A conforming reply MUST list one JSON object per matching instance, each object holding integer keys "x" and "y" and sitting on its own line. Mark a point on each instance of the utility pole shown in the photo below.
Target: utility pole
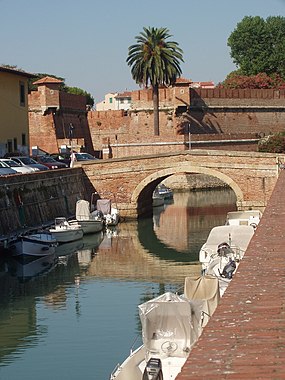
{"x": 189, "y": 135}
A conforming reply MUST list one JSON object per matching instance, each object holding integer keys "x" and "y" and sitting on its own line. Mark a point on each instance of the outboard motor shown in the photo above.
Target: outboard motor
{"x": 153, "y": 370}
{"x": 229, "y": 269}
{"x": 97, "y": 214}
{"x": 224, "y": 249}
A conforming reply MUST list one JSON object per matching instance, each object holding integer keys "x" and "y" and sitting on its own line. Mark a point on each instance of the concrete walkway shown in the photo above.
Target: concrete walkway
{"x": 245, "y": 338}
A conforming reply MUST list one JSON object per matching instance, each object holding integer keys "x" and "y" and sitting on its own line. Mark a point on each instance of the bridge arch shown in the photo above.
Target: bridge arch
{"x": 145, "y": 188}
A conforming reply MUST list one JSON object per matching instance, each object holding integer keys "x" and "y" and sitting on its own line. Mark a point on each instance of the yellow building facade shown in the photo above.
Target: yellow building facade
{"x": 14, "y": 120}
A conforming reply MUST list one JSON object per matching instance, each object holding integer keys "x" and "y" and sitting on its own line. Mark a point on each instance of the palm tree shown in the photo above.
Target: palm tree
{"x": 155, "y": 60}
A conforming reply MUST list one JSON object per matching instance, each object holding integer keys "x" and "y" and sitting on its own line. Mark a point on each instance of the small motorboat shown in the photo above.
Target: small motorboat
{"x": 164, "y": 191}
{"x": 245, "y": 218}
{"x": 110, "y": 213}
{"x": 64, "y": 232}
{"x": 171, "y": 325}
{"x": 157, "y": 199}
{"x": 223, "y": 250}
{"x": 89, "y": 222}
{"x": 34, "y": 244}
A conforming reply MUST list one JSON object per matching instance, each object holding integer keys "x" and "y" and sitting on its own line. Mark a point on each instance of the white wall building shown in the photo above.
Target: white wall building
{"x": 115, "y": 101}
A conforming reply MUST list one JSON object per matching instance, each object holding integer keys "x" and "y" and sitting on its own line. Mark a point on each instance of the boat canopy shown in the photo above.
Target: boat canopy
{"x": 204, "y": 296}
{"x": 166, "y": 325}
{"x": 104, "y": 205}
{"x": 83, "y": 210}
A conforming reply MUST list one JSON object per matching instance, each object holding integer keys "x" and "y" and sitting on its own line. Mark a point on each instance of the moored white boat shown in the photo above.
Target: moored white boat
{"x": 171, "y": 325}
{"x": 167, "y": 339}
{"x": 224, "y": 248}
{"x": 35, "y": 244}
{"x": 157, "y": 199}
{"x": 64, "y": 232}
{"x": 246, "y": 218}
{"x": 110, "y": 213}
{"x": 89, "y": 222}
{"x": 164, "y": 191}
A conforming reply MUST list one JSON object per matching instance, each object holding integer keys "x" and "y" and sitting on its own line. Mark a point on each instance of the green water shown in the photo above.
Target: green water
{"x": 74, "y": 315}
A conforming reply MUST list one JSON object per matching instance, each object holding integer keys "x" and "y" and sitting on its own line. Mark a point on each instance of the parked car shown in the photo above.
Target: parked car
{"x": 61, "y": 157}
{"x": 29, "y": 162}
{"x": 5, "y": 169}
{"x": 50, "y": 162}
{"x": 66, "y": 157}
{"x": 15, "y": 166}
{"x": 84, "y": 157}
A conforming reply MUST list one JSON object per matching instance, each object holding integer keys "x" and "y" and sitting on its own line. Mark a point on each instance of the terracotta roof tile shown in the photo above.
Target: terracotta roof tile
{"x": 48, "y": 79}
{"x": 125, "y": 94}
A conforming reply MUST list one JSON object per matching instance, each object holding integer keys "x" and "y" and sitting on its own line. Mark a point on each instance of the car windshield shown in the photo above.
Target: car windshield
{"x": 84, "y": 156}
{"x": 3, "y": 165}
{"x": 27, "y": 160}
{"x": 47, "y": 159}
{"x": 12, "y": 163}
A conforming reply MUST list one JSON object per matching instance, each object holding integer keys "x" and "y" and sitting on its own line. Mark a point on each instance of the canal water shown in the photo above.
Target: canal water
{"x": 74, "y": 315}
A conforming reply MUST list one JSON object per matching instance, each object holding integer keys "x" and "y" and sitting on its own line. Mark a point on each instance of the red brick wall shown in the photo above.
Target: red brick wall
{"x": 72, "y": 101}
{"x": 49, "y": 127}
{"x": 213, "y": 115}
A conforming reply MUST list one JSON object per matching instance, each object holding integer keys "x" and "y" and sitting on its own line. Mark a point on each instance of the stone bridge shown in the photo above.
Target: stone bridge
{"x": 130, "y": 182}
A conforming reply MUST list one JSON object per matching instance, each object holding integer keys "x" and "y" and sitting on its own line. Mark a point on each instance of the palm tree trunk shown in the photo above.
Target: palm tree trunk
{"x": 155, "y": 98}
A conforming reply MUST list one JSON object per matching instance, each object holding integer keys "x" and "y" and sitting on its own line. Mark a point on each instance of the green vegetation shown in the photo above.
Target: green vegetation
{"x": 63, "y": 87}
{"x": 156, "y": 61}
{"x": 261, "y": 81}
{"x": 258, "y": 46}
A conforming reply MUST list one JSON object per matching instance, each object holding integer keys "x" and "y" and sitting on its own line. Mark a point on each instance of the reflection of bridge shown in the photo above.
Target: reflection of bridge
{"x": 130, "y": 182}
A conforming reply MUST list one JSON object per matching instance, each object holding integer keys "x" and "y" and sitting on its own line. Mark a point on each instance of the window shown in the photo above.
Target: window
{"x": 23, "y": 139}
{"x": 111, "y": 100}
{"x": 15, "y": 144}
{"x": 9, "y": 146}
{"x": 22, "y": 94}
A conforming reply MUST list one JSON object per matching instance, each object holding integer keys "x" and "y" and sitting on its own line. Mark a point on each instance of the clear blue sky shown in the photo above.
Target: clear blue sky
{"x": 86, "y": 41}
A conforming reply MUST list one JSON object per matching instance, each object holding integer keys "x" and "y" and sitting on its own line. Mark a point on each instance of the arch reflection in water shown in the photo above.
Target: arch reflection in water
{"x": 128, "y": 267}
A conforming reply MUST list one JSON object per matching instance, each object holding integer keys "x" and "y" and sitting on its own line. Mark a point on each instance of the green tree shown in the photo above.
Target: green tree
{"x": 156, "y": 61}
{"x": 258, "y": 45}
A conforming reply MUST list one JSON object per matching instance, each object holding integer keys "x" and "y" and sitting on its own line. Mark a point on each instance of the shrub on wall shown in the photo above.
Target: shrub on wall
{"x": 272, "y": 143}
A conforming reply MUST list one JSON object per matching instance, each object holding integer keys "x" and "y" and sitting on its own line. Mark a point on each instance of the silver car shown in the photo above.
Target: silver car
{"x": 29, "y": 162}
{"x": 6, "y": 170}
{"x": 15, "y": 166}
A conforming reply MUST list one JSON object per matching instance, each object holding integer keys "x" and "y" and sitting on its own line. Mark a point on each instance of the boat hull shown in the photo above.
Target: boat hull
{"x": 36, "y": 245}
{"x": 88, "y": 226}
{"x": 67, "y": 235}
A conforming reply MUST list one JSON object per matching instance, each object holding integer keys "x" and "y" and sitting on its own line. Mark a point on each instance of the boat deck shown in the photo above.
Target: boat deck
{"x": 245, "y": 338}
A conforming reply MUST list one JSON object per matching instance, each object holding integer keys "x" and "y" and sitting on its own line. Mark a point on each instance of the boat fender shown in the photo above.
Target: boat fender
{"x": 153, "y": 370}
{"x": 229, "y": 269}
{"x": 254, "y": 225}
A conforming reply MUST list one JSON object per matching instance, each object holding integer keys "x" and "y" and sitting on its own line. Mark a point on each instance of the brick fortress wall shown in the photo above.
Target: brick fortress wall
{"x": 51, "y": 114}
{"x": 216, "y": 119}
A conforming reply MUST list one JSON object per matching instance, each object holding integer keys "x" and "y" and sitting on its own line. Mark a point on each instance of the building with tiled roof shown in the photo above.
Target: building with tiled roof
{"x": 47, "y": 80}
